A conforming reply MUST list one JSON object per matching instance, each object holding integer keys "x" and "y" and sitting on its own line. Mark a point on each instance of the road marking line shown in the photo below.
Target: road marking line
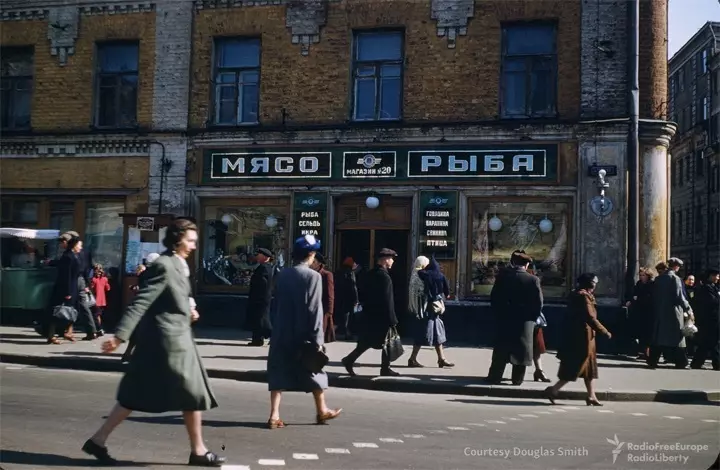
{"x": 513, "y": 419}
{"x": 335, "y": 450}
{"x": 528, "y": 416}
{"x": 272, "y": 462}
{"x": 544, "y": 413}
{"x": 476, "y": 424}
{"x": 638, "y": 414}
{"x": 458, "y": 428}
{"x": 673, "y": 417}
{"x": 365, "y": 445}
{"x": 710, "y": 421}
{"x": 414, "y": 436}
{"x": 234, "y": 467}
{"x": 391, "y": 439}
{"x": 559, "y": 410}
{"x": 13, "y": 368}
{"x": 571, "y": 407}
{"x": 438, "y": 431}
{"x": 605, "y": 411}
{"x": 305, "y": 456}
{"x": 496, "y": 422}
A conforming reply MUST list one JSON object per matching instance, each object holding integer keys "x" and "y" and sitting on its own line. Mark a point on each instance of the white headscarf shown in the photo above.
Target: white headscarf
{"x": 420, "y": 263}
{"x": 151, "y": 258}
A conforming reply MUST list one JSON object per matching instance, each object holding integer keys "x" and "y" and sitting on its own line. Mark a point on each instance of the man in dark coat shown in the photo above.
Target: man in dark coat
{"x": 259, "y": 298}
{"x": 378, "y": 315}
{"x": 707, "y": 320}
{"x": 517, "y": 301}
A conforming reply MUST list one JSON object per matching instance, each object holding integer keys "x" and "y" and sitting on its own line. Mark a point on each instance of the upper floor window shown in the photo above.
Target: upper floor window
{"x": 702, "y": 62}
{"x": 117, "y": 85}
{"x": 17, "y": 83}
{"x": 529, "y": 76}
{"x": 237, "y": 81}
{"x": 377, "y": 75}
{"x": 705, "y": 109}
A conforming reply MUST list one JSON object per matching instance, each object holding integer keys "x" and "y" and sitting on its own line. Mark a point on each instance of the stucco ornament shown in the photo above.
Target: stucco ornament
{"x": 62, "y": 32}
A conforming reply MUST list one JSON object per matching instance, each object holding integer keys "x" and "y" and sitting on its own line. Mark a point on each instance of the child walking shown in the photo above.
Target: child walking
{"x": 99, "y": 286}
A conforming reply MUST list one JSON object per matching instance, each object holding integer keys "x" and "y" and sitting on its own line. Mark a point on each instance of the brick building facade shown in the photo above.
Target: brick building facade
{"x": 695, "y": 164}
{"x": 476, "y": 127}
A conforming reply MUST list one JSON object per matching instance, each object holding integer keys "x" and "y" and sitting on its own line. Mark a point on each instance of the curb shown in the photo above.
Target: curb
{"x": 386, "y": 384}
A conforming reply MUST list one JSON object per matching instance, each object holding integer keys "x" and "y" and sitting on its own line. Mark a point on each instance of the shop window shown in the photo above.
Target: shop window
{"x": 104, "y": 234}
{"x": 529, "y": 71}
{"x": 377, "y": 75}
{"x": 541, "y": 229}
{"x": 62, "y": 216}
{"x": 21, "y": 214}
{"x": 117, "y": 85}
{"x": 237, "y": 81}
{"x": 16, "y": 70}
{"x": 230, "y": 236}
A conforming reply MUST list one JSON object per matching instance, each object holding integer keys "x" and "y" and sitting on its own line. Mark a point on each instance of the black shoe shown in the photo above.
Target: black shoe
{"x": 443, "y": 363}
{"x": 256, "y": 343}
{"x": 539, "y": 376}
{"x": 348, "y": 366}
{"x": 413, "y": 363}
{"x": 388, "y": 373}
{"x": 99, "y": 452}
{"x": 208, "y": 460}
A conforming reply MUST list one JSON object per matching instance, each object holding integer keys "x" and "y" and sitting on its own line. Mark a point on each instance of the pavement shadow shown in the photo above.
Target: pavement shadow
{"x": 689, "y": 397}
{"x": 220, "y": 343}
{"x": 482, "y": 401}
{"x": 242, "y": 358}
{"x": 4, "y": 336}
{"x": 637, "y": 365}
{"x": 36, "y": 459}
{"x": 208, "y": 422}
{"x": 88, "y": 353}
{"x": 28, "y": 341}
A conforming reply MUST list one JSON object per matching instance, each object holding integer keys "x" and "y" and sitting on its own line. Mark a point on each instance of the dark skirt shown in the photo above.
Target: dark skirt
{"x": 572, "y": 369}
{"x": 538, "y": 343}
{"x": 429, "y": 331}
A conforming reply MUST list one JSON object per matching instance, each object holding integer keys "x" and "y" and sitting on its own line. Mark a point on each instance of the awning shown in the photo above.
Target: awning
{"x": 29, "y": 233}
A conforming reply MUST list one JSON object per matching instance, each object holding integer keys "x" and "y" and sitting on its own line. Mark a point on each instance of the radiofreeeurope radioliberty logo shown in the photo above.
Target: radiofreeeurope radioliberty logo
{"x": 655, "y": 452}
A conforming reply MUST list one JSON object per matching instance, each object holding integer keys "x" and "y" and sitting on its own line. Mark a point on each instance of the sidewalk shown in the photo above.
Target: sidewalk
{"x": 226, "y": 355}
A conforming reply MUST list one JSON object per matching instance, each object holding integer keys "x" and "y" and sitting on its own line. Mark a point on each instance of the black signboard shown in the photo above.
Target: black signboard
{"x": 382, "y": 164}
{"x": 271, "y": 165}
{"x": 310, "y": 216}
{"x": 508, "y": 163}
{"x": 438, "y": 224}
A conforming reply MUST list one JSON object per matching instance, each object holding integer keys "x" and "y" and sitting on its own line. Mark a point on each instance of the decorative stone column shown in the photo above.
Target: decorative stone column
{"x": 654, "y": 214}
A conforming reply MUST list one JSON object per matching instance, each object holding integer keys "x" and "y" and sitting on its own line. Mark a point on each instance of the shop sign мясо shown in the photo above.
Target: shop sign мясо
{"x": 271, "y": 165}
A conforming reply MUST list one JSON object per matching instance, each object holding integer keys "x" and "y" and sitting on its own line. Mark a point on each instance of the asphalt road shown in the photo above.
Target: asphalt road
{"x": 46, "y": 414}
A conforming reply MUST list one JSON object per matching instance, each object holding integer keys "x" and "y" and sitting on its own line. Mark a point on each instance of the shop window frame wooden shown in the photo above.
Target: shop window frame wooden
{"x": 284, "y": 205}
{"x": 569, "y": 259}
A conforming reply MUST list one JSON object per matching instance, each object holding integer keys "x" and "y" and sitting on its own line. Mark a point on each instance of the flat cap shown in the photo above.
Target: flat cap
{"x": 387, "y": 253}
{"x": 264, "y": 251}
{"x": 69, "y": 235}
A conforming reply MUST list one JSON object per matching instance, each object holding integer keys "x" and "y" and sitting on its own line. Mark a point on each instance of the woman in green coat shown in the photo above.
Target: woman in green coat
{"x": 165, "y": 371}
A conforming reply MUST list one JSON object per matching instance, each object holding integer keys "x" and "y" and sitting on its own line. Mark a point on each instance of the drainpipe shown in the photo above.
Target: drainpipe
{"x": 633, "y": 150}
{"x": 164, "y": 167}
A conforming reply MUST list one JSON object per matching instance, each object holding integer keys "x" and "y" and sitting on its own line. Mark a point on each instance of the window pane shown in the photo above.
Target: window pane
{"x": 238, "y": 53}
{"x": 390, "y": 98}
{"x": 364, "y": 98}
{"x": 249, "y": 110}
{"x": 514, "y": 94}
{"x": 542, "y": 91}
{"x": 21, "y": 104}
{"x": 25, "y": 212}
{"x": 16, "y": 62}
{"x": 379, "y": 46}
{"x": 521, "y": 231}
{"x": 128, "y": 101}
{"x": 365, "y": 71}
{"x": 226, "y": 112}
{"x": 227, "y": 78}
{"x": 250, "y": 76}
{"x": 225, "y": 92}
{"x": 104, "y": 233}
{"x": 390, "y": 71}
{"x": 231, "y": 235}
{"x": 530, "y": 39}
{"x": 62, "y": 216}
{"x": 118, "y": 57}
{"x": 106, "y": 106}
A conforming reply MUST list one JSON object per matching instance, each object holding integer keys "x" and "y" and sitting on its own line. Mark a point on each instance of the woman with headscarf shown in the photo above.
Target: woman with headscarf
{"x": 428, "y": 284}
{"x": 577, "y": 352}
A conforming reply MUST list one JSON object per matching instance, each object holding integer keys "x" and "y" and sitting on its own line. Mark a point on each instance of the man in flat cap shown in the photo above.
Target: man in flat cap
{"x": 671, "y": 308}
{"x": 516, "y": 300}
{"x": 259, "y": 299}
{"x": 378, "y": 315}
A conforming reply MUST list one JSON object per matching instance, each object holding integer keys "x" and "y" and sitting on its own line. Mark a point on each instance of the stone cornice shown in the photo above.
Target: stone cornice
{"x": 656, "y": 132}
{"x": 213, "y": 4}
{"x": 29, "y": 10}
{"x": 21, "y": 148}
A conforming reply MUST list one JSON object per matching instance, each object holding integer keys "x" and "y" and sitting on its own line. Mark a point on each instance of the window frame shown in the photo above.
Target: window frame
{"x": 216, "y": 71}
{"x": 355, "y": 64}
{"x": 529, "y": 59}
{"x": 99, "y": 75}
{"x": 14, "y": 80}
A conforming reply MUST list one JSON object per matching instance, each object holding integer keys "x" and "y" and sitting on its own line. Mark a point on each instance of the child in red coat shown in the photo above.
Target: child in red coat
{"x": 99, "y": 286}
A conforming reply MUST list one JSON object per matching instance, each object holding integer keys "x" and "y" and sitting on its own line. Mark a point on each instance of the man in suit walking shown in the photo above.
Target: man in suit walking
{"x": 259, "y": 298}
{"x": 517, "y": 301}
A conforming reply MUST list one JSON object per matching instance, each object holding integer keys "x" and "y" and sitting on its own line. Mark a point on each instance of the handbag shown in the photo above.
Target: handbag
{"x": 312, "y": 358}
{"x": 689, "y": 328}
{"x": 541, "y": 321}
{"x": 393, "y": 345}
{"x": 65, "y": 313}
{"x": 437, "y": 306}
{"x": 90, "y": 301}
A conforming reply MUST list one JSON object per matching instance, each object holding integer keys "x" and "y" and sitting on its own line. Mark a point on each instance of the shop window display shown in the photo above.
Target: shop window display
{"x": 231, "y": 237}
{"x": 541, "y": 229}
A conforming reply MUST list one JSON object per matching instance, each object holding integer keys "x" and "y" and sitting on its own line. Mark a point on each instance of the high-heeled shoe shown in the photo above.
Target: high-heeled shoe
{"x": 444, "y": 363}
{"x": 550, "y": 395}
{"x": 592, "y": 402}
{"x": 414, "y": 363}
{"x": 540, "y": 376}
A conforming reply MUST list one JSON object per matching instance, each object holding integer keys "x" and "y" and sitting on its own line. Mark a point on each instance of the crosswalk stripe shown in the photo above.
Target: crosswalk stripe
{"x": 605, "y": 411}
{"x": 234, "y": 467}
{"x": 458, "y": 428}
{"x": 438, "y": 431}
{"x": 711, "y": 421}
{"x": 496, "y": 422}
{"x": 528, "y": 416}
{"x": 638, "y": 414}
{"x": 305, "y": 456}
{"x": 414, "y": 436}
{"x": 544, "y": 413}
{"x": 365, "y": 445}
{"x": 272, "y": 462}
{"x": 476, "y": 424}
{"x": 571, "y": 407}
{"x": 559, "y": 410}
{"x": 335, "y": 450}
{"x": 672, "y": 417}
{"x": 391, "y": 439}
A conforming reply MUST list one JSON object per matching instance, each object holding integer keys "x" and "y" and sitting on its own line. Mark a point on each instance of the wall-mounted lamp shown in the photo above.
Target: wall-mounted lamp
{"x": 495, "y": 224}
{"x": 600, "y": 205}
{"x": 372, "y": 202}
{"x": 226, "y": 219}
{"x": 546, "y": 225}
{"x": 271, "y": 221}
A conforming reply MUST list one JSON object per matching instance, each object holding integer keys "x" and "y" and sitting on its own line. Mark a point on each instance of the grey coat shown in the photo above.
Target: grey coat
{"x": 297, "y": 318}
{"x": 669, "y": 305}
{"x": 165, "y": 371}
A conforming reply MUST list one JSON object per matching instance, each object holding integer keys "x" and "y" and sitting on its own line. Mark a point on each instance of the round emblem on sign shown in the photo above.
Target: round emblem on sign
{"x": 369, "y": 161}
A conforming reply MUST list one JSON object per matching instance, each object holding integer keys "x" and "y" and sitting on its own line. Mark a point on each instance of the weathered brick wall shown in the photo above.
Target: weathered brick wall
{"x": 440, "y": 83}
{"x": 653, "y": 59}
{"x": 63, "y": 96}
